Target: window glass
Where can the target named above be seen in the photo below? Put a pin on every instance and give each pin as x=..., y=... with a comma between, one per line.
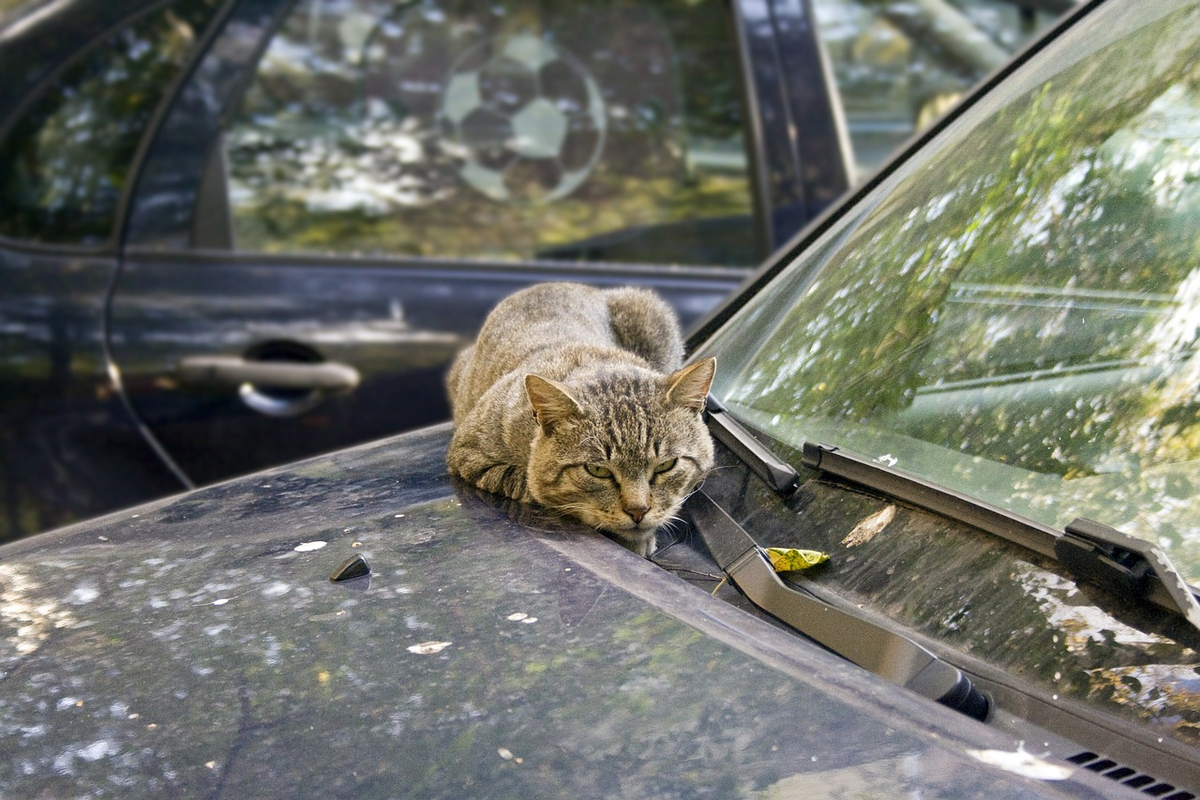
x=67, y=158
x=899, y=66
x=513, y=130
x=1017, y=313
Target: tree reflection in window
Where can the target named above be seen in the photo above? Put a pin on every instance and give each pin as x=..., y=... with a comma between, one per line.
x=510, y=130
x=68, y=157
x=1026, y=297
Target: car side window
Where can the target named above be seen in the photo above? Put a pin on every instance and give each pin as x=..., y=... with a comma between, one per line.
x=67, y=157
x=900, y=66
x=510, y=130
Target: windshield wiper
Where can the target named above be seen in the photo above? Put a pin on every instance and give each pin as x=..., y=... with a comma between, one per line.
x=848, y=633
x=778, y=474
x=1127, y=567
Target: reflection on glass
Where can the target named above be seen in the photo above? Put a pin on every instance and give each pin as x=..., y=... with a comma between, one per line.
x=515, y=130
x=67, y=159
x=1016, y=313
x=899, y=65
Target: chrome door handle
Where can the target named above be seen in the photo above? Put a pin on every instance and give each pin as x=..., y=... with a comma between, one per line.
x=328, y=376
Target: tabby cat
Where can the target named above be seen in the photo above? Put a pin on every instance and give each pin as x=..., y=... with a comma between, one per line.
x=574, y=398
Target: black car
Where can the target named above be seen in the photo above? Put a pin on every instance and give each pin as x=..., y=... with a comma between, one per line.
x=196, y=647
x=972, y=387
x=237, y=232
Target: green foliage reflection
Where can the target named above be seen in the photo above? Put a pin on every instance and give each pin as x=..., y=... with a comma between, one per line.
x=431, y=129
x=68, y=157
x=1026, y=295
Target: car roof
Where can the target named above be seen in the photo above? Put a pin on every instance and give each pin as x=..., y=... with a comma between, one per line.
x=198, y=644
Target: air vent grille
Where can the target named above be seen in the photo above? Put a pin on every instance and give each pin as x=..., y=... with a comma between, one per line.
x=1146, y=784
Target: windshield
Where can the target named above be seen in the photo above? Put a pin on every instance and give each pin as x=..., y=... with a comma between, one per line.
x=1015, y=312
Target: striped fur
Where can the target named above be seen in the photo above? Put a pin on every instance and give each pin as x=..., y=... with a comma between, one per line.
x=574, y=398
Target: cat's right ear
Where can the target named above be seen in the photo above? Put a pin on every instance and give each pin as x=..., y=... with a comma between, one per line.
x=689, y=386
x=552, y=403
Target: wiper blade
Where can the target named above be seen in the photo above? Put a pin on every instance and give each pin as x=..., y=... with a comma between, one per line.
x=1129, y=568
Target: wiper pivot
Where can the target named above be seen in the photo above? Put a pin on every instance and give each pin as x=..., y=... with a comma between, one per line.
x=779, y=475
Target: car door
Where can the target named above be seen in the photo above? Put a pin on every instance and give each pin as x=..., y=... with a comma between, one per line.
x=344, y=188
x=81, y=81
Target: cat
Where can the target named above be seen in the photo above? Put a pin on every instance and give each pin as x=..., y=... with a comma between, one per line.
x=575, y=398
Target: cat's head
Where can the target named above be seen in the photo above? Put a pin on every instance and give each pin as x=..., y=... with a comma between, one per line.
x=621, y=450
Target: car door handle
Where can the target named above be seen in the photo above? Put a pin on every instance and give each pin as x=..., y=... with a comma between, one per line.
x=327, y=376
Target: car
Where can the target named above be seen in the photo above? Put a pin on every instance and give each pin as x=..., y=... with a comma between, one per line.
x=233, y=234
x=965, y=396
x=198, y=646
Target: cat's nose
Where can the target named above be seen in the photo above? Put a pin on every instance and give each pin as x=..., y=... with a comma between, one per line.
x=636, y=512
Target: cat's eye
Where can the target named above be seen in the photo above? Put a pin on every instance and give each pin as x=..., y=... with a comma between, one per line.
x=597, y=471
x=665, y=466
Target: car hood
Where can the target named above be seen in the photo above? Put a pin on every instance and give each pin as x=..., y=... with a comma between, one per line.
x=197, y=645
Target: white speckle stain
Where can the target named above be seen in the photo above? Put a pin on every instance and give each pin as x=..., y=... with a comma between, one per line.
x=1024, y=764
x=276, y=589
x=308, y=547
x=517, y=617
x=83, y=594
x=429, y=648
x=97, y=750
x=220, y=601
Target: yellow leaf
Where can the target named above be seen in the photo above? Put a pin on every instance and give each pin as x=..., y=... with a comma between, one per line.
x=789, y=559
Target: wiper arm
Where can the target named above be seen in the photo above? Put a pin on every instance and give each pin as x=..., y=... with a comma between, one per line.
x=778, y=474
x=1125, y=565
x=1130, y=568
x=850, y=634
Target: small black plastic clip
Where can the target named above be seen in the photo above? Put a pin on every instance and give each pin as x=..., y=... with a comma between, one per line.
x=1100, y=554
x=353, y=567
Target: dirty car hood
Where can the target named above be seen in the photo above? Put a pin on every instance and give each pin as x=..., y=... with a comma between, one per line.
x=196, y=645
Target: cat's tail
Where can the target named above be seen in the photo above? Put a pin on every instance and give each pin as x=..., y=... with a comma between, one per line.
x=645, y=325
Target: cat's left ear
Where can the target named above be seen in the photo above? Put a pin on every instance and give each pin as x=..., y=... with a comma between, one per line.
x=551, y=401
x=689, y=386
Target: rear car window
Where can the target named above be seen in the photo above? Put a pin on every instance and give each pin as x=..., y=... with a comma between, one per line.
x=900, y=66
x=507, y=130
x=68, y=155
